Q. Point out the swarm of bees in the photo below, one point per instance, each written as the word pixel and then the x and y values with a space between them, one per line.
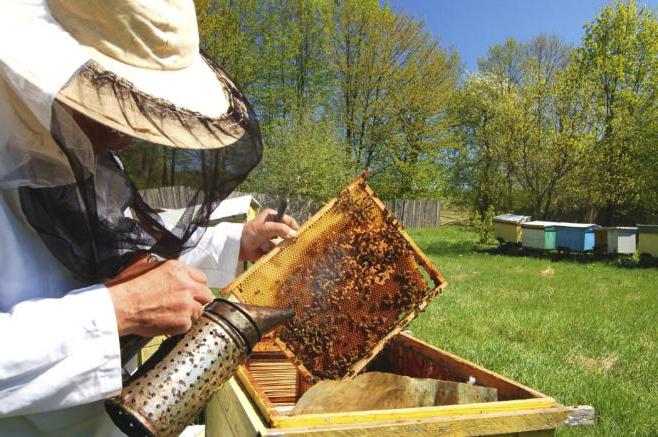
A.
pixel 359 281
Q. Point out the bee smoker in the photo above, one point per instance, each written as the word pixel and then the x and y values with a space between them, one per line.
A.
pixel 172 387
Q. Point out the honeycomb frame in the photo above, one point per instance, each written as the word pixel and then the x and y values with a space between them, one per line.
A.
pixel 374 274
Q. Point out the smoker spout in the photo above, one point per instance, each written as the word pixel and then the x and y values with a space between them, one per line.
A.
pixel 252 322
pixel 268 318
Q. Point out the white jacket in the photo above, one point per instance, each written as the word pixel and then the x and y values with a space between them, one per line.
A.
pixel 59 346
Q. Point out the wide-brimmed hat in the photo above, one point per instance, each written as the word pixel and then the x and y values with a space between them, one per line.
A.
pixel 146 76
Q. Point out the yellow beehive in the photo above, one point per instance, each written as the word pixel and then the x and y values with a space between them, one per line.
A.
pixel 647 240
pixel 507 227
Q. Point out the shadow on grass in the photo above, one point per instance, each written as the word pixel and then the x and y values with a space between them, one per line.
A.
pixel 443 248
pixel 621 261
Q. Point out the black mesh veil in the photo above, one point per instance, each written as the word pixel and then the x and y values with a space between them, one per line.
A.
pixel 99 221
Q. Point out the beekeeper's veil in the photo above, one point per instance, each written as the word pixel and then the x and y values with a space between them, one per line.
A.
pixel 133 66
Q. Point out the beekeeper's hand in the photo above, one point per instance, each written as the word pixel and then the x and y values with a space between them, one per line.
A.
pixel 157 298
pixel 262 234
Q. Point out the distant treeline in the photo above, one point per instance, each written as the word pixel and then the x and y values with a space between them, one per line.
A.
pixel 541 127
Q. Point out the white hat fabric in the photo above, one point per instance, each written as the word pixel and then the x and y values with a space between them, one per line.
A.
pixel 133 65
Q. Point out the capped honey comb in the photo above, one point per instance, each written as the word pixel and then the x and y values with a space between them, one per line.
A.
pixel 354 278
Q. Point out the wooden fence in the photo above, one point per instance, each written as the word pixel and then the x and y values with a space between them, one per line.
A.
pixel 411 213
pixel 416 213
pixel 168 197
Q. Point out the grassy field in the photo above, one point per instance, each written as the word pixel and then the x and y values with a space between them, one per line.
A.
pixel 583 331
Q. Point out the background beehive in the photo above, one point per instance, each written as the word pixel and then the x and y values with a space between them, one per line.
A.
pixel 354 278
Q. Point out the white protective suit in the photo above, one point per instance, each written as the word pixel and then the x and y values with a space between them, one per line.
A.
pixel 58 338
pixel 59 347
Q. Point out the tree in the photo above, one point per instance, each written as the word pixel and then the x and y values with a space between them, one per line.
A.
pixel 229 32
pixel 522 122
pixel 618 59
pixel 302 162
pixel 541 128
pixel 394 81
pixel 477 179
pixel 545 119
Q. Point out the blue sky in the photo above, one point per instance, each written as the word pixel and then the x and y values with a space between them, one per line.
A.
pixel 472 26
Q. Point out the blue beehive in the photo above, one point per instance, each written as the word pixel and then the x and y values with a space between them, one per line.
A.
pixel 578 237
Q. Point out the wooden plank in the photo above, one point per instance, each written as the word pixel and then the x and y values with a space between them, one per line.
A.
pixel 581 415
pixel 230 413
pixel 539 422
pixel 263 404
pixel 544 433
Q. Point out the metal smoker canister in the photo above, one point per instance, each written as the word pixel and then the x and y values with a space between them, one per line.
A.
pixel 172 387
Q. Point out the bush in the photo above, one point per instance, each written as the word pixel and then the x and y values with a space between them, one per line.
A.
pixel 484 225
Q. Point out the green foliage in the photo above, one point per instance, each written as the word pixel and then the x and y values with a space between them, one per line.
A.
pixel 483 223
pixel 521 123
pixel 563 133
pixel 301 160
pixel 541 128
pixel 394 84
pixel 339 87
pixel 619 62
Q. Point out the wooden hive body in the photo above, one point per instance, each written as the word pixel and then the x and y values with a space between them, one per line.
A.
pixel 507 227
pixel 621 240
pixel 648 240
pixel 251 405
pixel 575 236
pixel 601 239
pixel 539 235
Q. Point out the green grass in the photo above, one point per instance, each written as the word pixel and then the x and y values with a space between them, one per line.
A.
pixel 580 330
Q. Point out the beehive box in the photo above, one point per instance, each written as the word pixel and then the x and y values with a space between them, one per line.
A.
pixel 257 402
pixel 539 235
pixel 647 240
pixel 577 237
pixel 620 239
pixel 507 227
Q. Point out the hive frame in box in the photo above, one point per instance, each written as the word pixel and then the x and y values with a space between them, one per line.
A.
pixel 420 259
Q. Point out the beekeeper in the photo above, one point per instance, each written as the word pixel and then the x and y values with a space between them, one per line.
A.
pixel 98 99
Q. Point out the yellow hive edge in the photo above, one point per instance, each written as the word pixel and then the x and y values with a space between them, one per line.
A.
pixel 352 417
